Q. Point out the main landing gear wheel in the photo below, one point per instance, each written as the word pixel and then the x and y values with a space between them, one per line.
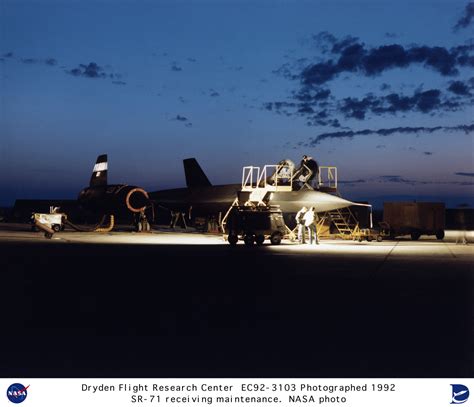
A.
pixel 249 240
pixel 259 239
pixel 440 234
pixel 275 239
pixel 415 235
pixel 232 239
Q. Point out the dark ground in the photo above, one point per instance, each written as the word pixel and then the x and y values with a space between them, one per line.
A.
pixel 72 310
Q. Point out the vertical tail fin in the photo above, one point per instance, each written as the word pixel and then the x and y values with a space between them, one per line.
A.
pixel 99 173
pixel 194 174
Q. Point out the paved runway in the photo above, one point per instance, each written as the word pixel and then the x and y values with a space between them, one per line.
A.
pixel 185 304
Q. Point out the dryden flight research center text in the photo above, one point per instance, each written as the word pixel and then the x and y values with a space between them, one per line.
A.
pixel 242 393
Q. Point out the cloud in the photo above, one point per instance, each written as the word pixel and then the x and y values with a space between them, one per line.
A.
pixel 459 88
pixel 352 182
pixel 465 174
pixel 8 55
pixel 467 17
pixel 91 70
pixel 213 93
pixel 399 179
pixel 175 67
pixel 350 134
pixel 50 61
pixel 183 120
pixel 308 95
pixel 28 60
pixel 353 56
pixel 421 101
pixel 316 105
pixel 395 179
pixel 47 61
pixel 428 153
pixel 308 103
pixel 192 60
pixel 315 102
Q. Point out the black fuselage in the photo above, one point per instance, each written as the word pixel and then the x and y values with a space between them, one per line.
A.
pixel 204 201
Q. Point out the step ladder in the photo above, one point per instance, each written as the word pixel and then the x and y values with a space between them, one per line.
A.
pixel 345 222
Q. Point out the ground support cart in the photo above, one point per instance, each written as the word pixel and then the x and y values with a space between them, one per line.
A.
pixel 255 224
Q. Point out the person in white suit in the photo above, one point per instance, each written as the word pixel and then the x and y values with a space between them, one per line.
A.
pixel 311 221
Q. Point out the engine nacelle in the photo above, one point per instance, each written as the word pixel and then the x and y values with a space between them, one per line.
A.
pixel 112 198
pixel 137 200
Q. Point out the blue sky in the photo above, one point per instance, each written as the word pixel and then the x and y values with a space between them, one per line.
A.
pixel 235 83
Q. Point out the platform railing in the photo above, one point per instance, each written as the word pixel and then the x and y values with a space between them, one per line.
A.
pixel 327 177
pixel 249 174
pixel 271 177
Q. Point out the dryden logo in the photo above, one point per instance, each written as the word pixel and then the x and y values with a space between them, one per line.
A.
pixel 17 393
pixel 460 394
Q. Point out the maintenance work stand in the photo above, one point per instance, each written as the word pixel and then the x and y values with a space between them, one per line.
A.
pixel 253 219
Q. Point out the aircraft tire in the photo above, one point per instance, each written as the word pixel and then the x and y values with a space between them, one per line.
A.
pixel 440 234
pixel 249 240
pixel 232 239
pixel 259 239
pixel 415 235
pixel 379 238
pixel 56 227
pixel 275 238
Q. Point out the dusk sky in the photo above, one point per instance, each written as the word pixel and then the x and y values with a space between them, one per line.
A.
pixel 383 90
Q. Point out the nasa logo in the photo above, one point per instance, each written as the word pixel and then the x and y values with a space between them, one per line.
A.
pixel 17 393
pixel 460 394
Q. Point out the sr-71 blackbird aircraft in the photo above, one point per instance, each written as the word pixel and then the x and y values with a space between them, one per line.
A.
pixel 202 198
pixel 199 198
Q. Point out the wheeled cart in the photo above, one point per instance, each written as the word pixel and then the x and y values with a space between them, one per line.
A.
pixel 255 224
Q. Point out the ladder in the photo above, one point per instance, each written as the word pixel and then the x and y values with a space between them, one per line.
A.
pixel 345 222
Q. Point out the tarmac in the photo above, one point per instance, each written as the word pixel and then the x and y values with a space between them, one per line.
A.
pixel 175 304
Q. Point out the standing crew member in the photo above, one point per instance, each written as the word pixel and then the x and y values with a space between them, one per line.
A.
pixel 300 222
pixel 310 221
